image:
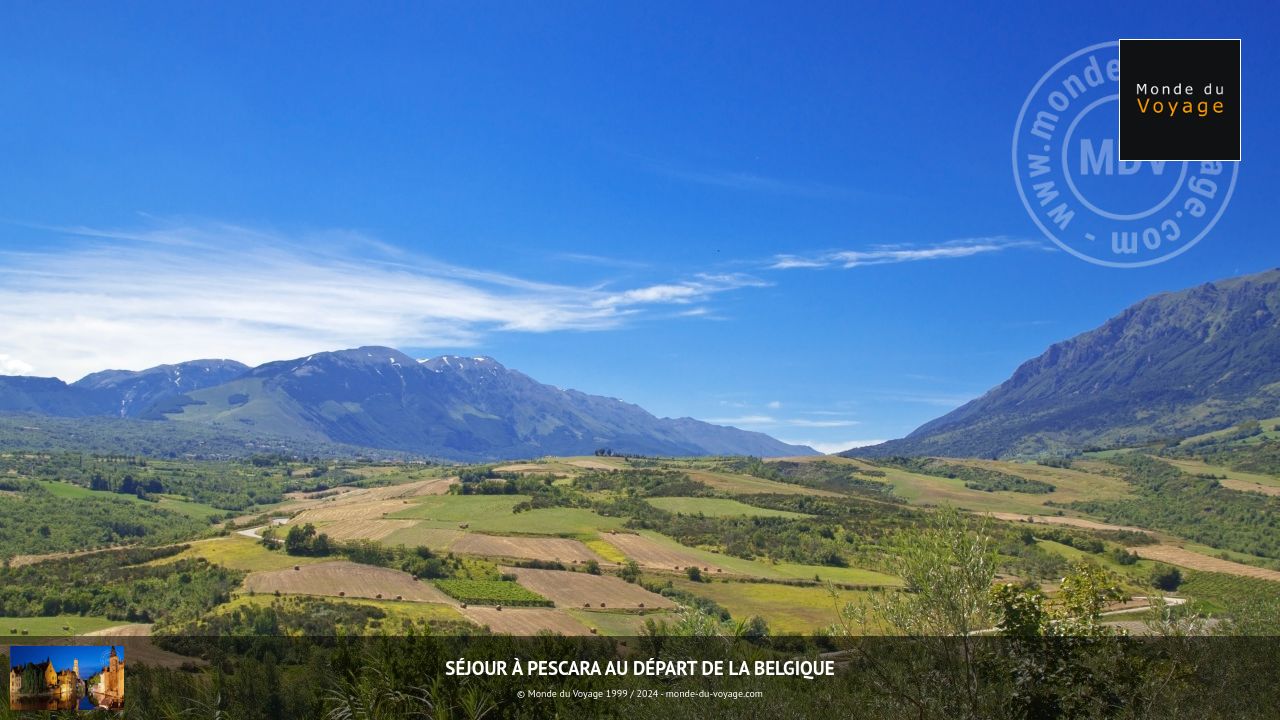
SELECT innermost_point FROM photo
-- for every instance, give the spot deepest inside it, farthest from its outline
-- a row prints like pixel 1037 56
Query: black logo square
pixel 1179 100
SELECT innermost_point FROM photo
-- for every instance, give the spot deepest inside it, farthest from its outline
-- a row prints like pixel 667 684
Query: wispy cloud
pixel 892 254
pixel 601 260
pixel 697 289
pixel 131 299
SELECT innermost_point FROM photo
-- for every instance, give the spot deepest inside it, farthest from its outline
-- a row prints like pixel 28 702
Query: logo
pixel 1104 210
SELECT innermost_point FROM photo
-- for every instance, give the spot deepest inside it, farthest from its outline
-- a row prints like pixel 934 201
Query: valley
pixel 601 545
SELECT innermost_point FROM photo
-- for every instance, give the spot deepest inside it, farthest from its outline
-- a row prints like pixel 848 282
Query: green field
pixel 52 626
pixel 165 502
pixel 1268 432
pixel 782 570
pixel 493 514
pixel 735 483
pixel 605 550
pixel 789 610
pixel 1069 485
pixel 618 624
pixel 238 552
pixel 396 610
pixel 716 507
pixel 1220 592
pixel 1136 574
pixel 492 592
pixel 1243 479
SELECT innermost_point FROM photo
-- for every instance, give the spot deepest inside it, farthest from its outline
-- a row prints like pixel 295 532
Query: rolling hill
pixel 1172 365
pixel 457 408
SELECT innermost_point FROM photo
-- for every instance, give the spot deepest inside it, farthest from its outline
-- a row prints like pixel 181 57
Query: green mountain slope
pixel 1174 364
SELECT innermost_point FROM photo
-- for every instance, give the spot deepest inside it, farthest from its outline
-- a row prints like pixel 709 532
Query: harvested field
pixel 532 548
pixel 363 510
pixel 1194 560
pixel 434 486
pixel 1245 486
pixel 341 578
pixel 652 554
pixel 364 503
pixel 577 590
pixel 419 534
pixel 319 494
pixel 525 621
pixel 1060 520
pixel 597 464
pixel 521 467
pixel 379 529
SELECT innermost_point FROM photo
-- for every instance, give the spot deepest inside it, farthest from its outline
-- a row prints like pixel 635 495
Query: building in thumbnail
pixel 109 692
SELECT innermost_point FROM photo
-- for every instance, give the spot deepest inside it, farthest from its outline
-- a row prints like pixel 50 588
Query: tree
pixel 630 571
pixel 1166 577
pixel 299 538
pixel 948 567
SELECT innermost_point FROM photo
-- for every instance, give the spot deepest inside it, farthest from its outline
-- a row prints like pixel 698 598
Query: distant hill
pixel 144 394
pixel 456 408
pixel 1172 365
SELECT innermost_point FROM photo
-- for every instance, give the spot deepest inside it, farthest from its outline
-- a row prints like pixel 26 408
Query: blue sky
pixel 93 658
pixel 610 197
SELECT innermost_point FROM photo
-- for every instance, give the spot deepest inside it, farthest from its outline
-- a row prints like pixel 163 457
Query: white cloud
pixel 892 254
pixel 827 448
pixel 774 405
pixel 682 293
pixel 136 299
pixel 13 366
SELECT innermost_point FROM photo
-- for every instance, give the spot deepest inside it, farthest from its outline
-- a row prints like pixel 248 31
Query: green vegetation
pixel 643 483
pixel 975 478
pixel 716 507
pixel 1219 592
pixel 830 475
pixel 789 609
pixel 227 486
pixel 496 514
pixel 1196 508
pixel 492 592
pixel 118 585
pixel 256 616
pixel 57 625
pixel 238 552
pixel 46 517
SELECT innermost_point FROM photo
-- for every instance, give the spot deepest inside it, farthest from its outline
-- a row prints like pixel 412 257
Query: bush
pixel 1166 577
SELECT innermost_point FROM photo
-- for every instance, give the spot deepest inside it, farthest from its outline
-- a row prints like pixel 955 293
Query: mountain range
pixel 1172 365
pixel 456 408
